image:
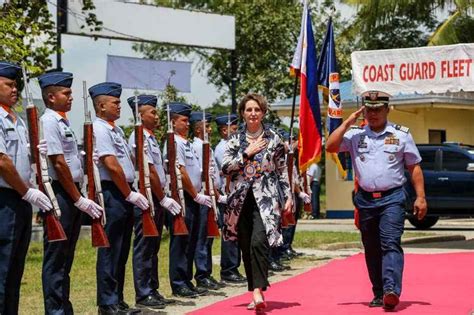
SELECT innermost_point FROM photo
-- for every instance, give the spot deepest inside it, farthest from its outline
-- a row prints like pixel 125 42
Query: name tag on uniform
pixel 362 144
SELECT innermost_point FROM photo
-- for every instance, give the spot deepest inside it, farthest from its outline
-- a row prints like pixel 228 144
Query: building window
pixel 436 136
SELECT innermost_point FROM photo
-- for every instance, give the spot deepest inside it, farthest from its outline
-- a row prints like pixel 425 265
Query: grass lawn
pixel 83 276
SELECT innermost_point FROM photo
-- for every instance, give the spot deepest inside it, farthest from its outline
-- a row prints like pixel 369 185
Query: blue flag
pixel 329 83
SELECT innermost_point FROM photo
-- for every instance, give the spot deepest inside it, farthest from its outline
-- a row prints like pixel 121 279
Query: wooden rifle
pixel 175 184
pixel 228 177
pixel 208 183
pixel 144 185
pixel 94 187
pixel 54 229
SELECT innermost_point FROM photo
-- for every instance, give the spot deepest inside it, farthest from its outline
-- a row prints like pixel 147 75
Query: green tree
pixel 410 23
pixel 28 32
pixel 266 34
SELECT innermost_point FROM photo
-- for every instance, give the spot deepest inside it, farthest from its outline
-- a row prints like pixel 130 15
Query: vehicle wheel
pixel 424 224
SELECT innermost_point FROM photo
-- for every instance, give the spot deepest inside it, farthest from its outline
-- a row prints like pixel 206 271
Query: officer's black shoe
pixel 108 309
pixel 274 266
pixel 161 298
pixel 115 310
pixel 289 253
pixel 220 284
pixel 198 290
pixel 124 307
pixel 150 302
pixel 207 284
pixel 233 278
pixel 390 300
pixel 376 302
pixel 185 292
pixel 242 278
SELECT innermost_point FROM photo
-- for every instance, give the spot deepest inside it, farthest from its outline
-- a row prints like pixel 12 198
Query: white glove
pixel 43 147
pixel 90 207
pixel 95 156
pixel 203 200
pixel 222 199
pixel 138 200
pixel 37 198
pixel 171 205
pixel 305 197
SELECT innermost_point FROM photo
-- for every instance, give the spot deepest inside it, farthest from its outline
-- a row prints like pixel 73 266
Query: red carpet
pixel 433 284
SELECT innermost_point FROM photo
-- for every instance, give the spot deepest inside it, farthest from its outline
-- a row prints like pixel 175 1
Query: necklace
pixel 254 135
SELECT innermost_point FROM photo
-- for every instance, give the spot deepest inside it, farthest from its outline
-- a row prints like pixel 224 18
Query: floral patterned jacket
pixel 269 183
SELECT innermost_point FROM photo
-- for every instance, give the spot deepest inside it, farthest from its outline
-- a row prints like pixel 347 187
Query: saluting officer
pixel 145 249
pixel 117 174
pixel 380 151
pixel 203 256
pixel 183 247
pixel 67 174
pixel 15 194
pixel 230 251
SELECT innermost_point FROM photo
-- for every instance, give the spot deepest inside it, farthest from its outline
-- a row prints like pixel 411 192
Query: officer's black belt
pixel 377 194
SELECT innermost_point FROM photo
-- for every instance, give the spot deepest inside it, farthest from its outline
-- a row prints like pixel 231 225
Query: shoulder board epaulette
pixel 355 127
pixel 402 128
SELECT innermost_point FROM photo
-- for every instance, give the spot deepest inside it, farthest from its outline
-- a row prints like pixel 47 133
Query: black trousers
pixel 111 262
pixel 15 233
pixel 59 256
pixel 145 254
pixel 254 244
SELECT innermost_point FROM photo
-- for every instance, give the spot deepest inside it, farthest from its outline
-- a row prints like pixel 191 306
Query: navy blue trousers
pixel 111 261
pixel 59 256
pixel 381 226
pixel 315 200
pixel 15 234
pixel 203 256
pixel 145 254
pixel 230 251
pixel 183 247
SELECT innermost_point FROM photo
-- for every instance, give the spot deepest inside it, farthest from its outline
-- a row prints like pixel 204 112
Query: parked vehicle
pixel 448 171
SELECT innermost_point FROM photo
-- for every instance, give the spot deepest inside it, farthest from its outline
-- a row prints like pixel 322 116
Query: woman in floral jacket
pixel 255 160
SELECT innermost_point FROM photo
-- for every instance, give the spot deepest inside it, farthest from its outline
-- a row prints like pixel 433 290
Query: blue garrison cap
pixel 180 108
pixel 222 120
pixel 9 70
pixel 143 100
pixel 106 88
pixel 197 116
pixel 55 78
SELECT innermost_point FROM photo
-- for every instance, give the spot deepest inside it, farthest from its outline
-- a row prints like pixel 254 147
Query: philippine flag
pixel 305 62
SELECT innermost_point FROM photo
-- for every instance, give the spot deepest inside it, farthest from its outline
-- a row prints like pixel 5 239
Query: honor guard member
pixel 117 174
pixel 230 251
pixel 380 152
pixel 183 247
pixel 203 256
pixel 145 249
pixel 67 174
pixel 15 194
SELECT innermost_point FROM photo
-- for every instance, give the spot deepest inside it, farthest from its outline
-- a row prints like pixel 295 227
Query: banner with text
pixel 422 70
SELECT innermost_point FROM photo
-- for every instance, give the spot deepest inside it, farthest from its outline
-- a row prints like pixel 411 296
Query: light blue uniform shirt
pixel 61 140
pixel 187 157
pixel 154 154
pixel 111 141
pixel 197 145
pixel 219 157
pixel 14 143
pixel 379 159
